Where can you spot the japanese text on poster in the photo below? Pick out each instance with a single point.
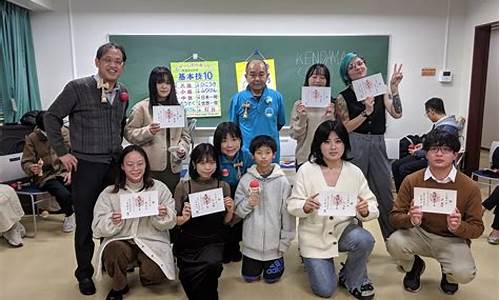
(198, 88)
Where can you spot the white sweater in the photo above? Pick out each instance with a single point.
(319, 235)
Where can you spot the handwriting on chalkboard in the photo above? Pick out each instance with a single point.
(304, 59)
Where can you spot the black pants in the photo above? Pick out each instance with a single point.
(489, 203)
(232, 241)
(199, 271)
(87, 183)
(404, 167)
(57, 189)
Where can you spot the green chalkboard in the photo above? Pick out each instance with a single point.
(292, 54)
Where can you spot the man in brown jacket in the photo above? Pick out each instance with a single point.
(40, 161)
(445, 238)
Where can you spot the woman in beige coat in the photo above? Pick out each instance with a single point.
(165, 147)
(143, 239)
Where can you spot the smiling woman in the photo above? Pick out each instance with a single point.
(125, 240)
(365, 119)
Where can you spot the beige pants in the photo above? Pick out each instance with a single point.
(452, 253)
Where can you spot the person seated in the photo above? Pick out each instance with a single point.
(40, 161)
(434, 110)
(11, 212)
(144, 240)
(492, 201)
(444, 237)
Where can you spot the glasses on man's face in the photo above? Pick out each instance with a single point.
(355, 64)
(443, 149)
(109, 61)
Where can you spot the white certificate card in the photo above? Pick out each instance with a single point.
(316, 96)
(169, 116)
(206, 202)
(136, 205)
(369, 86)
(332, 203)
(435, 200)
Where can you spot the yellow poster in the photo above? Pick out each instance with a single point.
(241, 81)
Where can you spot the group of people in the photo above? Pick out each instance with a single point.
(339, 147)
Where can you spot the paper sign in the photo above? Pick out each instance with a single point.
(169, 116)
(332, 203)
(136, 205)
(435, 200)
(369, 86)
(316, 96)
(206, 202)
(197, 87)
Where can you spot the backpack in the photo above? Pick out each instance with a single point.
(29, 118)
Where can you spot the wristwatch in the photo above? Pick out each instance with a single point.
(364, 114)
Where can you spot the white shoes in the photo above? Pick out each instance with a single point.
(69, 224)
(15, 234)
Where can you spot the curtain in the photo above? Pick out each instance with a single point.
(19, 91)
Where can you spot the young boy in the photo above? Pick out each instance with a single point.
(260, 201)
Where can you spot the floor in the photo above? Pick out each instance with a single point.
(43, 269)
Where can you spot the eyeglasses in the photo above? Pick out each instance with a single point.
(443, 149)
(109, 61)
(358, 63)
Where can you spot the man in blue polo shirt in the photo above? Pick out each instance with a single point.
(258, 110)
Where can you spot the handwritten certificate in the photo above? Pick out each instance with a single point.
(169, 116)
(136, 205)
(332, 203)
(369, 86)
(206, 202)
(435, 200)
(316, 96)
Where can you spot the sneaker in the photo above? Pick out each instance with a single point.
(411, 281)
(14, 236)
(69, 223)
(86, 286)
(448, 287)
(365, 292)
(20, 228)
(117, 295)
(44, 214)
(493, 237)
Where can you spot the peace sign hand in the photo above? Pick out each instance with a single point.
(396, 78)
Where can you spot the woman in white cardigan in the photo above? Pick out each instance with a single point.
(165, 147)
(144, 240)
(322, 237)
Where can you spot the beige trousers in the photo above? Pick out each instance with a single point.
(453, 253)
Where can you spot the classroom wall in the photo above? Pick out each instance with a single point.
(66, 38)
(490, 118)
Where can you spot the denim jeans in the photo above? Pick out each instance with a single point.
(57, 189)
(321, 271)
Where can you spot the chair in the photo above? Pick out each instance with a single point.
(32, 192)
(487, 176)
(11, 171)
